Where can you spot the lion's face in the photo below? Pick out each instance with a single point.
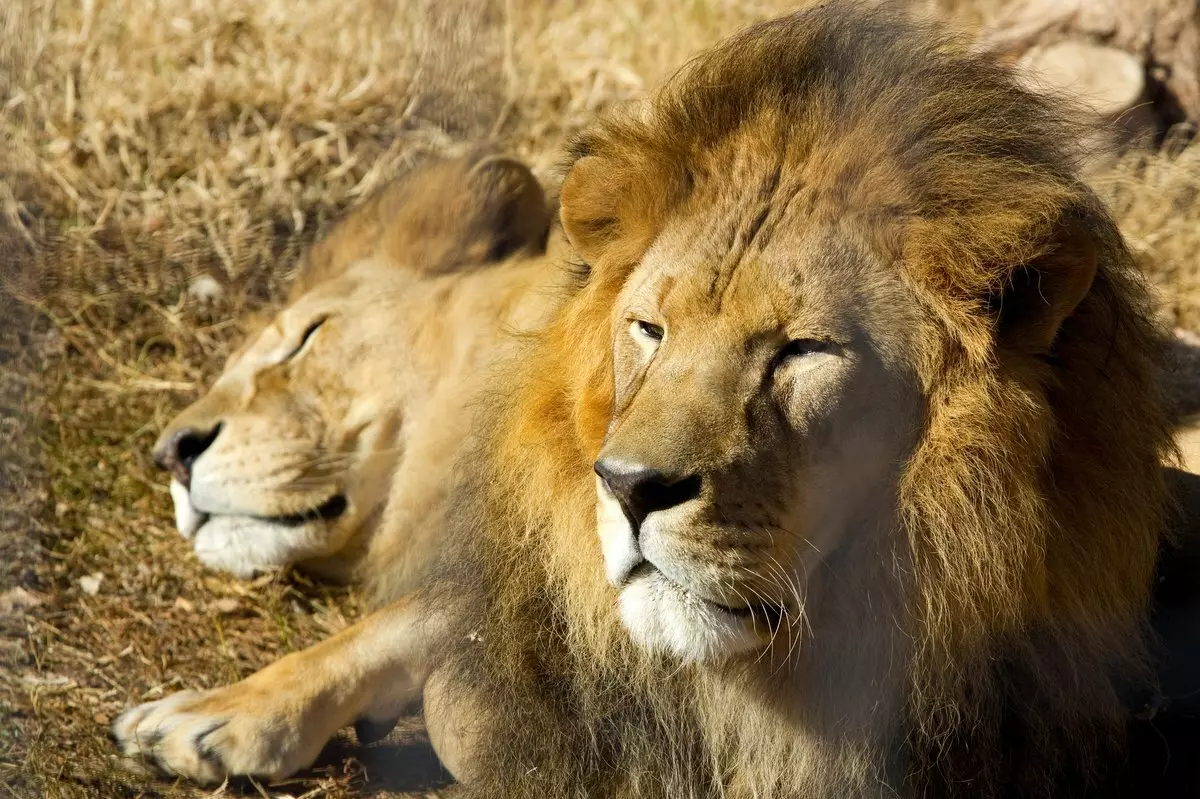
(291, 455)
(764, 407)
(290, 451)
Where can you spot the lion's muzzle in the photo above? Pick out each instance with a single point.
(642, 489)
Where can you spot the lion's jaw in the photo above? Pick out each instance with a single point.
(795, 455)
(301, 433)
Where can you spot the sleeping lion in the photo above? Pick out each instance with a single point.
(833, 471)
(340, 419)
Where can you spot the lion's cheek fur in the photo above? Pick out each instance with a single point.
(975, 515)
(551, 433)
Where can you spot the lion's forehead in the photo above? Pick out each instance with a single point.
(817, 276)
(360, 313)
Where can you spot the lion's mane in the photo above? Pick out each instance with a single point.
(1033, 504)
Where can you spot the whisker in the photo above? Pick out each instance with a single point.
(797, 593)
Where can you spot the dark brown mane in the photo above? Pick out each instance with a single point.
(1034, 504)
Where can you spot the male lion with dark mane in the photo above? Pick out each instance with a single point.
(836, 472)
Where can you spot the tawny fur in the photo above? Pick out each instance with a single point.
(415, 291)
(1008, 633)
(1033, 505)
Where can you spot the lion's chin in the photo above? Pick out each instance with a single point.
(245, 546)
(665, 617)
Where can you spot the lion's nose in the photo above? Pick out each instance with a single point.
(642, 490)
(179, 451)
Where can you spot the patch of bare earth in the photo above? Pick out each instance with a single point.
(162, 165)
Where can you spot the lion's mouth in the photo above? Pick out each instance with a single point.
(767, 612)
(189, 518)
(327, 511)
(771, 614)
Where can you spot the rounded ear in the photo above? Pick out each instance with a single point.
(443, 215)
(589, 206)
(616, 205)
(1041, 295)
(506, 208)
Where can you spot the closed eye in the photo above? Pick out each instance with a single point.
(309, 332)
(798, 347)
(801, 348)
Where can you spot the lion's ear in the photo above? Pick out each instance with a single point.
(1042, 294)
(442, 215)
(505, 209)
(616, 208)
(590, 206)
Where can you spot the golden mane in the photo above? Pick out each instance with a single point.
(1034, 504)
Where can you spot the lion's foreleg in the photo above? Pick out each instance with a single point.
(277, 720)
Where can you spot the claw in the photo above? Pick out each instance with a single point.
(203, 750)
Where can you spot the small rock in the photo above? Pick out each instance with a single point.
(1108, 80)
(184, 605)
(205, 290)
(90, 584)
(227, 605)
(1187, 337)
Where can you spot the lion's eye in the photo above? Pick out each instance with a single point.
(648, 330)
(799, 347)
(309, 332)
(803, 346)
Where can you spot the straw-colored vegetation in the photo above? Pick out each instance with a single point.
(162, 163)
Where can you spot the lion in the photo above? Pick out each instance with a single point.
(834, 470)
(362, 382)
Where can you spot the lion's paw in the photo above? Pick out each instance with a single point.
(207, 736)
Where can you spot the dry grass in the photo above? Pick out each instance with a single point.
(152, 148)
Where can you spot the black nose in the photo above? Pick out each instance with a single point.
(180, 450)
(642, 490)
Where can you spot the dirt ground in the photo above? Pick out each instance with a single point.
(162, 164)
